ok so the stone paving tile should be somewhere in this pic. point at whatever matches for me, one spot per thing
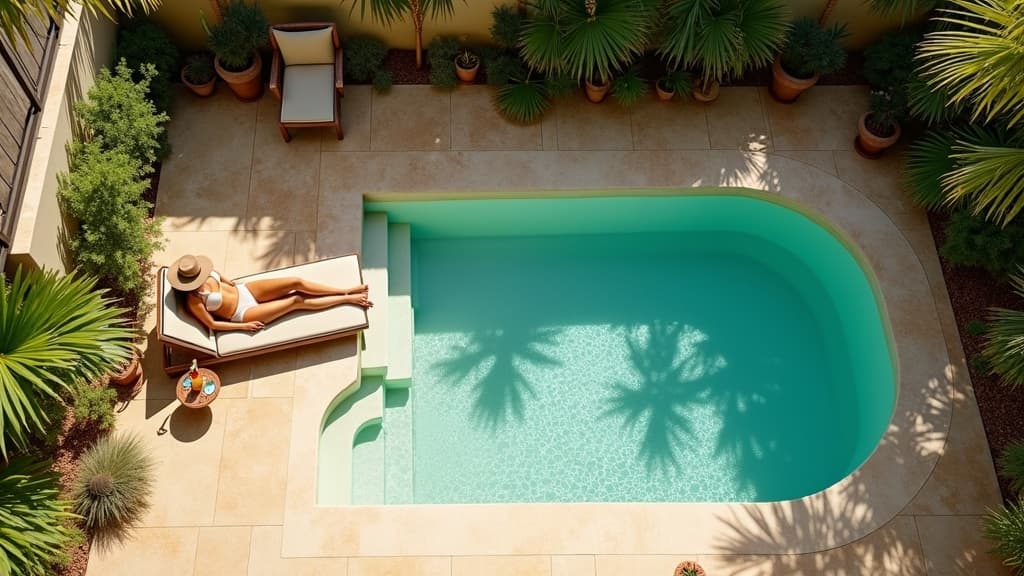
(252, 251)
(356, 113)
(549, 129)
(340, 213)
(583, 125)
(254, 463)
(265, 558)
(673, 125)
(401, 566)
(476, 125)
(645, 565)
(501, 565)
(223, 551)
(573, 565)
(881, 180)
(414, 118)
(821, 159)
(736, 121)
(892, 549)
(151, 551)
(759, 565)
(273, 375)
(953, 545)
(825, 118)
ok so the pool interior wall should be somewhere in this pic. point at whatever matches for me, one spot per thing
(709, 348)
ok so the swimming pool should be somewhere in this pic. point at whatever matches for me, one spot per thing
(701, 348)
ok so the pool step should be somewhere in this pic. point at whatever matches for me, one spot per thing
(399, 372)
(364, 407)
(375, 273)
(398, 470)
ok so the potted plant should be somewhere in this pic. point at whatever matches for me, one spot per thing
(199, 75)
(467, 65)
(689, 568)
(879, 127)
(129, 372)
(672, 83)
(236, 42)
(722, 39)
(809, 52)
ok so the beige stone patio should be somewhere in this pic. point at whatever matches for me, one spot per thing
(234, 490)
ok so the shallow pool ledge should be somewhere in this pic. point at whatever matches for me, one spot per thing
(850, 509)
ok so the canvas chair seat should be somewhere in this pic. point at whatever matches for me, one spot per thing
(306, 75)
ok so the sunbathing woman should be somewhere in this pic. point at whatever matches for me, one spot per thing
(221, 304)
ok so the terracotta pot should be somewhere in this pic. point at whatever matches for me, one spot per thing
(597, 92)
(868, 144)
(786, 88)
(247, 84)
(466, 75)
(130, 373)
(202, 90)
(682, 567)
(663, 95)
(709, 94)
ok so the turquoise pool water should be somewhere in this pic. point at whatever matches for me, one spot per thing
(679, 349)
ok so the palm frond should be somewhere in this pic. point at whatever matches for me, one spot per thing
(541, 43)
(629, 88)
(595, 47)
(522, 102)
(930, 105)
(928, 161)
(763, 25)
(1004, 343)
(907, 9)
(14, 14)
(990, 178)
(33, 518)
(384, 12)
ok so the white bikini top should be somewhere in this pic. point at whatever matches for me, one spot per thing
(212, 300)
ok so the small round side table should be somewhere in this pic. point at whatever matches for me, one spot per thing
(197, 398)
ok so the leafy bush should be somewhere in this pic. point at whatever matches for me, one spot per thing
(441, 53)
(522, 102)
(382, 81)
(974, 241)
(93, 404)
(115, 480)
(629, 88)
(1011, 465)
(33, 519)
(140, 42)
(811, 49)
(364, 57)
(506, 25)
(1005, 528)
(51, 326)
(885, 111)
(199, 68)
(116, 239)
(976, 327)
(242, 31)
(118, 116)
(502, 66)
(889, 62)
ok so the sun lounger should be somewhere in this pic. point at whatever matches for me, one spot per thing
(178, 329)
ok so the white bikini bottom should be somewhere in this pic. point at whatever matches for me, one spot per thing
(245, 301)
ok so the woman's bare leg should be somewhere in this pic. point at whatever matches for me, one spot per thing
(275, 288)
(267, 312)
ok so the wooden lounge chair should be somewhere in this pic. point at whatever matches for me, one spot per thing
(177, 328)
(305, 75)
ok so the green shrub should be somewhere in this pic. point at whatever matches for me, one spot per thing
(678, 81)
(364, 57)
(116, 239)
(973, 241)
(441, 53)
(93, 404)
(976, 327)
(1011, 465)
(811, 49)
(889, 61)
(199, 68)
(506, 25)
(629, 88)
(1005, 528)
(242, 31)
(115, 480)
(50, 327)
(118, 116)
(980, 366)
(885, 110)
(1004, 343)
(382, 81)
(139, 42)
(34, 526)
(501, 66)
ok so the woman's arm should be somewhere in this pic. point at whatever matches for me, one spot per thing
(195, 305)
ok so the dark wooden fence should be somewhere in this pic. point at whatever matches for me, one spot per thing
(24, 72)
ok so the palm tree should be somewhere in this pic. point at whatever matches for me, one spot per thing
(386, 12)
(33, 519)
(14, 13)
(52, 329)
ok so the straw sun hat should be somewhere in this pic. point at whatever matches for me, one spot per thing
(189, 272)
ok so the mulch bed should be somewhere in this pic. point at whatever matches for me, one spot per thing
(972, 292)
(73, 440)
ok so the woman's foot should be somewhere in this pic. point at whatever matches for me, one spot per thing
(361, 289)
(358, 300)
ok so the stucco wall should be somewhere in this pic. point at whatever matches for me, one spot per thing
(472, 19)
(86, 45)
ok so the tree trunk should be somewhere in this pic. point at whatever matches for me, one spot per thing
(416, 8)
(830, 5)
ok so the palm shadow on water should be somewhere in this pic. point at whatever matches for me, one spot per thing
(498, 356)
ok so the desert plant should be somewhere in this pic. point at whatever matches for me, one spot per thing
(116, 239)
(364, 57)
(629, 88)
(522, 102)
(139, 42)
(386, 12)
(1011, 465)
(974, 241)
(1005, 528)
(467, 59)
(677, 81)
(442, 52)
(118, 117)
(722, 38)
(382, 81)
(14, 16)
(242, 31)
(978, 56)
(93, 404)
(199, 68)
(884, 112)
(114, 482)
(34, 526)
(51, 326)
(810, 49)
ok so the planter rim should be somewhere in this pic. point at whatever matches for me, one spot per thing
(862, 127)
(781, 72)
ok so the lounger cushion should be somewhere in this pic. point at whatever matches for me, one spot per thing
(178, 325)
(306, 47)
(343, 271)
(308, 94)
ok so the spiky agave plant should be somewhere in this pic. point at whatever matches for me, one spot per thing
(33, 519)
(113, 486)
(1005, 528)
